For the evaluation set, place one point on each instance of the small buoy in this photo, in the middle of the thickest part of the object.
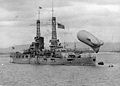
(110, 66)
(2, 64)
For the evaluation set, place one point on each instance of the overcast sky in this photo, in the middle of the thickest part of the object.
(18, 18)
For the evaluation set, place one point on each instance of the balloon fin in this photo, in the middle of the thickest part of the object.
(96, 49)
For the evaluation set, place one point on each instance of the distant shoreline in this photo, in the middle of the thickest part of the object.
(4, 53)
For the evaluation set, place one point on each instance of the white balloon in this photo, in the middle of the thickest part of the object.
(90, 40)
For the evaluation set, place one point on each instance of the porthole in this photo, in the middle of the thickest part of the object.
(94, 59)
(26, 56)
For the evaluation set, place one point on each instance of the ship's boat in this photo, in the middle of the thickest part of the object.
(57, 55)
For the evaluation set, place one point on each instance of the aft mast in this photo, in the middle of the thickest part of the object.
(54, 41)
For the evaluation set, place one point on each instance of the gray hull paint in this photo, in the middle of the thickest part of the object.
(56, 61)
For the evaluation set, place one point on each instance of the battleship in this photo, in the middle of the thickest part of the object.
(56, 54)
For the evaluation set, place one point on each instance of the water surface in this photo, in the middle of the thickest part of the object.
(46, 75)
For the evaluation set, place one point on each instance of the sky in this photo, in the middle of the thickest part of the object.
(18, 19)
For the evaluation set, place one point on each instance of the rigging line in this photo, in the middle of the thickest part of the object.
(52, 9)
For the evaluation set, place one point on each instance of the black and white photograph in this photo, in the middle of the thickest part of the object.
(59, 42)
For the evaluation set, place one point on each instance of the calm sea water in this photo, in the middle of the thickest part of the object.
(46, 75)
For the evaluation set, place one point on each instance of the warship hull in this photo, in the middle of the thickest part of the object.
(83, 61)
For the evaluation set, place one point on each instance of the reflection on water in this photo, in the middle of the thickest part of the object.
(46, 75)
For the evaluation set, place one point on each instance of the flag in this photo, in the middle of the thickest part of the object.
(13, 47)
(60, 26)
